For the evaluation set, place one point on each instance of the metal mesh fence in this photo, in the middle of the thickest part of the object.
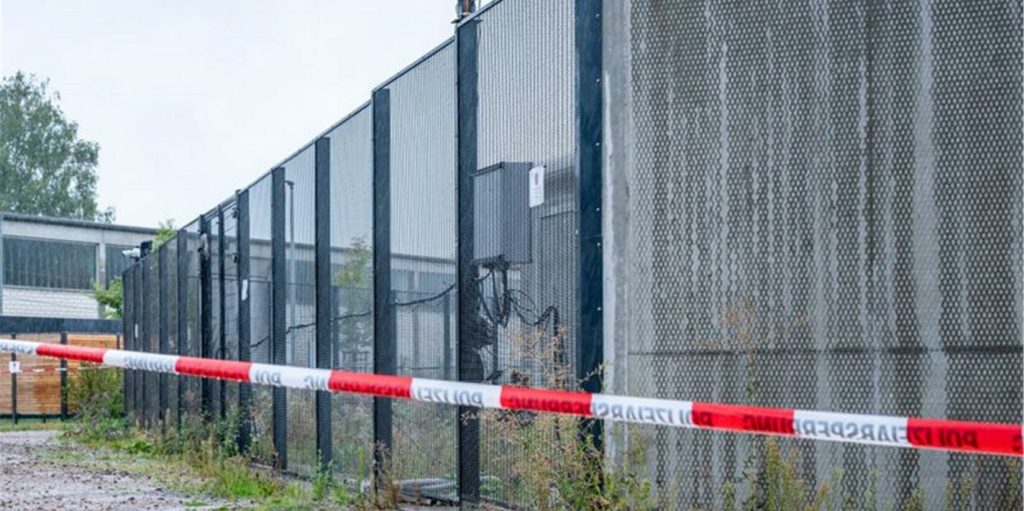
(190, 391)
(128, 322)
(151, 327)
(214, 347)
(823, 207)
(528, 280)
(422, 228)
(260, 281)
(300, 299)
(352, 286)
(806, 205)
(169, 317)
(230, 304)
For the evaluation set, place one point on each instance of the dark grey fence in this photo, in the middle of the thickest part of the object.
(806, 204)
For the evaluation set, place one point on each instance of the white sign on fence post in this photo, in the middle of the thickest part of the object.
(14, 366)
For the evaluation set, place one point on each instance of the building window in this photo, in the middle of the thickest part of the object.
(117, 262)
(47, 263)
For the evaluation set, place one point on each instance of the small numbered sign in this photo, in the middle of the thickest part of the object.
(14, 366)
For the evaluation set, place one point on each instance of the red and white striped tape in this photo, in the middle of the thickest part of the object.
(947, 435)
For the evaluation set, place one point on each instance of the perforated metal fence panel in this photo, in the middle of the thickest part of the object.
(352, 286)
(818, 205)
(422, 233)
(261, 312)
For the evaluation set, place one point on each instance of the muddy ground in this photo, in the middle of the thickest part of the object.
(38, 471)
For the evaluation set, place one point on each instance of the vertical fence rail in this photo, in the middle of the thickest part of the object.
(163, 329)
(324, 323)
(279, 302)
(244, 317)
(64, 380)
(14, 389)
(138, 380)
(205, 314)
(126, 327)
(469, 368)
(144, 345)
(182, 261)
(383, 312)
(590, 332)
(221, 350)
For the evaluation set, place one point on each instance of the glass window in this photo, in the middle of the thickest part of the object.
(117, 262)
(47, 263)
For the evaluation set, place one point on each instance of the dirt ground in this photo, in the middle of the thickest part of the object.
(37, 471)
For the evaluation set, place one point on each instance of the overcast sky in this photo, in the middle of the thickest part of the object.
(191, 100)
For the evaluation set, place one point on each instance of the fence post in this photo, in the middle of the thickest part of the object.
(470, 366)
(205, 314)
(279, 287)
(324, 322)
(244, 315)
(182, 257)
(14, 388)
(590, 330)
(138, 379)
(221, 352)
(145, 250)
(127, 318)
(383, 314)
(163, 330)
(64, 381)
(14, 391)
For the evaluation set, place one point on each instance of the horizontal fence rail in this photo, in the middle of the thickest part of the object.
(910, 432)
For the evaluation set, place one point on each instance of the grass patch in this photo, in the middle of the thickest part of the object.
(199, 462)
(33, 424)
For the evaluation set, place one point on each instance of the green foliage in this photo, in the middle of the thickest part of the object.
(110, 297)
(96, 397)
(45, 169)
(540, 462)
(354, 276)
(322, 481)
(164, 232)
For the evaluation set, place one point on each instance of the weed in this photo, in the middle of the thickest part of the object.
(96, 397)
(322, 481)
(543, 461)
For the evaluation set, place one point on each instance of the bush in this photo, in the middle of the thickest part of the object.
(96, 398)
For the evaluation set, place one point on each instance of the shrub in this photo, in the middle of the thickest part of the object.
(96, 398)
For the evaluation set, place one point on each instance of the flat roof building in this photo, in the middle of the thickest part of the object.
(49, 264)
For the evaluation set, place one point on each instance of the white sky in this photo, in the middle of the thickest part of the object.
(191, 100)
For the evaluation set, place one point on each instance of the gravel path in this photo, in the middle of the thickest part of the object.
(37, 471)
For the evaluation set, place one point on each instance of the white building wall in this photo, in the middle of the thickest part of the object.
(39, 302)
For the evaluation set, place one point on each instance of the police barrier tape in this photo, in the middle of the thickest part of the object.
(947, 435)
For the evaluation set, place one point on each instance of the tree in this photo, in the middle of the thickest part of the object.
(164, 232)
(353, 277)
(45, 169)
